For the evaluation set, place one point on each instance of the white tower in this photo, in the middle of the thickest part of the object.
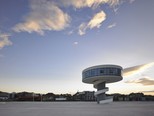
(99, 76)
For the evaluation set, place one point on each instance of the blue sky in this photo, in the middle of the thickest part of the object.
(45, 44)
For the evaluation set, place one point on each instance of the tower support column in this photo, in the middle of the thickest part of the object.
(101, 96)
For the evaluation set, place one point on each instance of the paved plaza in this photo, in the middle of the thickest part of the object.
(76, 109)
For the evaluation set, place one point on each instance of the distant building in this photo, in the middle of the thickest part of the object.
(48, 97)
(27, 96)
(84, 96)
(61, 99)
(131, 97)
(12, 96)
(136, 96)
(4, 96)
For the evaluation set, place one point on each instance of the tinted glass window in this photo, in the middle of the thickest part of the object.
(102, 71)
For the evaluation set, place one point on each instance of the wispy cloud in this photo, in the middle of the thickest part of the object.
(76, 43)
(152, 91)
(70, 32)
(131, 1)
(82, 29)
(112, 25)
(44, 15)
(144, 81)
(95, 22)
(89, 3)
(136, 69)
(115, 10)
(49, 15)
(98, 18)
(4, 40)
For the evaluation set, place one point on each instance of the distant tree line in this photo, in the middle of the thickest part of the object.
(132, 97)
(78, 96)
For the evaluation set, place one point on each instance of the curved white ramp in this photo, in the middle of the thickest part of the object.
(101, 91)
(106, 101)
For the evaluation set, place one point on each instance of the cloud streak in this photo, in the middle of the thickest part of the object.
(152, 91)
(44, 15)
(95, 22)
(131, 1)
(136, 69)
(89, 3)
(4, 40)
(144, 81)
(112, 25)
(75, 43)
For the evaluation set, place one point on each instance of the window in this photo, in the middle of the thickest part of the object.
(102, 71)
(93, 72)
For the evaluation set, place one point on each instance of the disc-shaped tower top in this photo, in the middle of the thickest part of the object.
(102, 73)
